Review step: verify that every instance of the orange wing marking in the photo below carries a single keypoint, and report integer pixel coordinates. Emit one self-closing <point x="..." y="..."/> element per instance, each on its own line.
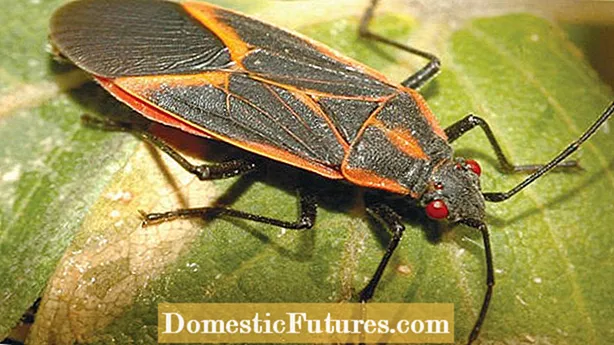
<point x="206" y="15"/>
<point x="141" y="85"/>
<point x="149" y="111"/>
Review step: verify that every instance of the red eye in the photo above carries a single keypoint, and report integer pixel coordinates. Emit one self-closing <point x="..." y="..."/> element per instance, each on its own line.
<point x="436" y="209"/>
<point x="474" y="166"/>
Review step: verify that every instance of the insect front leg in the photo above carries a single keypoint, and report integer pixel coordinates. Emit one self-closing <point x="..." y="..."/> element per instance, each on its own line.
<point x="416" y="80"/>
<point x="471" y="121"/>
<point x="203" y="172"/>
<point x="392" y="221"/>
<point x="557" y="161"/>
<point x="490" y="276"/>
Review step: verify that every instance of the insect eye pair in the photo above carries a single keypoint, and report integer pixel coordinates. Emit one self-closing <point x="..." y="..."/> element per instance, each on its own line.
<point x="437" y="209"/>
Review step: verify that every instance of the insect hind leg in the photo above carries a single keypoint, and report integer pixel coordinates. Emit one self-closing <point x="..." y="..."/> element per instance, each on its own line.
<point x="308" y="204"/>
<point x="203" y="172"/>
<point x="305" y="220"/>
<point x="416" y="80"/>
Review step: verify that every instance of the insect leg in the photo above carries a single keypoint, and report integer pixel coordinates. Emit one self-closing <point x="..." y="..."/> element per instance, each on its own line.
<point x="471" y="121"/>
<point x="392" y="221"/>
<point x="416" y="80"/>
<point x="490" y="276"/>
<point x="555" y="162"/>
<point x="203" y="172"/>
<point x="306" y="218"/>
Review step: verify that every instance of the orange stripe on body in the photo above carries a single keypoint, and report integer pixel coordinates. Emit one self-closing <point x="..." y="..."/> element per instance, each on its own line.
<point x="369" y="179"/>
<point x="402" y="139"/>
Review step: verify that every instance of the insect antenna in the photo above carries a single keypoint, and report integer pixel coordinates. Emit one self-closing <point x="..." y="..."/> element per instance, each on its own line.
<point x="502" y="196"/>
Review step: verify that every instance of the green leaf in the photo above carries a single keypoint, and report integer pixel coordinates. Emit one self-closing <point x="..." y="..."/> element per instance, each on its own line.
<point x="70" y="195"/>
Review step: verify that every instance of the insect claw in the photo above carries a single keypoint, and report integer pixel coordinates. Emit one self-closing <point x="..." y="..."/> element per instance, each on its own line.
<point x="365" y="295"/>
<point x="151" y="218"/>
<point x="144" y="221"/>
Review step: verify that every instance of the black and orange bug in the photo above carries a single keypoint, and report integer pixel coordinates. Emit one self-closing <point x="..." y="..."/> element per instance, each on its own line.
<point x="215" y="73"/>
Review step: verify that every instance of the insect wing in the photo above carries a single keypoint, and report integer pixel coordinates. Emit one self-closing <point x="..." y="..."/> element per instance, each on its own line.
<point x="220" y="74"/>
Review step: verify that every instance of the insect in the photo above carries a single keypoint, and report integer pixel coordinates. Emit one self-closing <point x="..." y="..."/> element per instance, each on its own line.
<point x="218" y="74"/>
